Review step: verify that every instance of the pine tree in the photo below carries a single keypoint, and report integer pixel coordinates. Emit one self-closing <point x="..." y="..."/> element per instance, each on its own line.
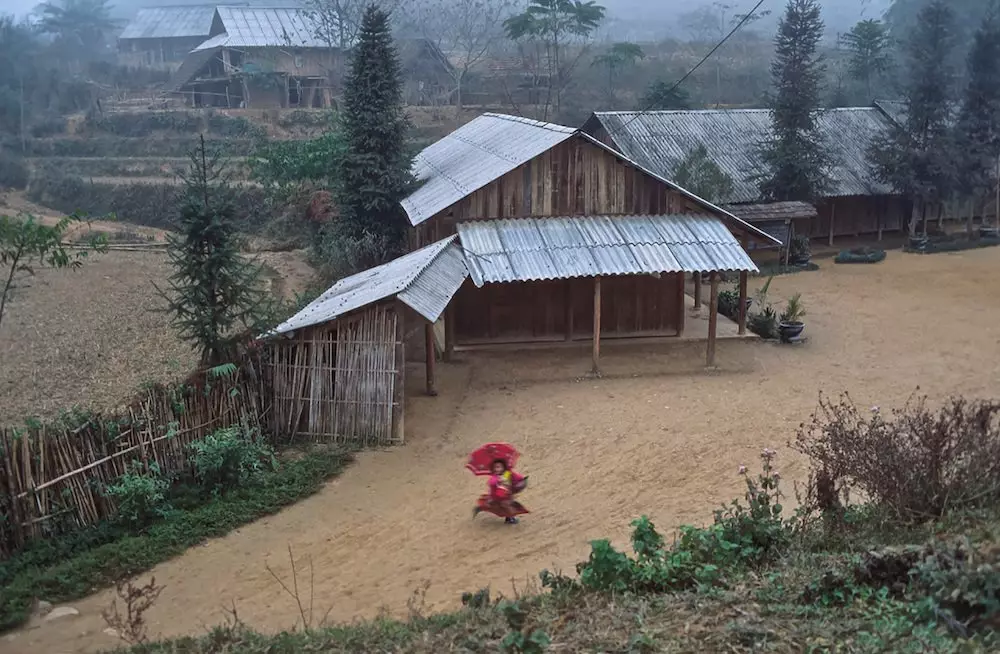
<point x="215" y="294"/>
<point x="978" y="128"/>
<point x="796" y="159"/>
<point x="916" y="157"/>
<point x="375" y="169"/>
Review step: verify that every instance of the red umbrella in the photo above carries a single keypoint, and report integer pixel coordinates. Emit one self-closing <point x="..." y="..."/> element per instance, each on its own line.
<point x="481" y="461"/>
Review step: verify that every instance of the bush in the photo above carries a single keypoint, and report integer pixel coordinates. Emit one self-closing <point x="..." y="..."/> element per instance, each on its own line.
<point x="741" y="537"/>
<point x="860" y="255"/>
<point x="13" y="171"/>
<point x="916" y="462"/>
<point x="140" y="496"/>
<point x="228" y="458"/>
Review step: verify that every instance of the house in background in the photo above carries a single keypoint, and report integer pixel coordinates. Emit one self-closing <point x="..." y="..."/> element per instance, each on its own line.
<point x="162" y="37"/>
<point x="259" y="57"/>
<point x="855" y="204"/>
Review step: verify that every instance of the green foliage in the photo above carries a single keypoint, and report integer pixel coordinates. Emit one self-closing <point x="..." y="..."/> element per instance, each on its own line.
<point x="27" y="245"/>
<point x="763" y="320"/>
<point x="519" y="640"/>
<point x="141" y="496"/>
<point x="136" y="125"/>
<point x="961" y="579"/>
<point x="916" y="158"/>
<point x="870" y="48"/>
<point x="618" y="57"/>
<point x="215" y="294"/>
<point x="698" y="173"/>
<point x="978" y="126"/>
<point x="741" y="537"/>
<point x="79" y="25"/>
<point x="796" y="159"/>
<point x="729" y="302"/>
<point x="13" y="171"/>
<point x="375" y="165"/>
<point x="794" y="310"/>
<point x="64" y="569"/>
<point x="661" y="95"/>
<point x="115" y="146"/>
<point x="228" y="458"/>
<point x="281" y="164"/>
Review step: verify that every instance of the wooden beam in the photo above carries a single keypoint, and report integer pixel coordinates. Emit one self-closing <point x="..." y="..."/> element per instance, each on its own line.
<point x="399" y="388"/>
<point x="713" y="316"/>
<point x="697" y="289"/>
<point x="449" y="333"/>
<point x="833" y="215"/>
<point x="681" y="308"/>
<point x="569" y="310"/>
<point x="743" y="303"/>
<point x="597" y="325"/>
<point x="431" y="358"/>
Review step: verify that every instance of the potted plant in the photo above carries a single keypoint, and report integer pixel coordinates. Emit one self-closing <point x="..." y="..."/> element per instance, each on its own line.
<point x="799" y="250"/>
<point x="790" y="323"/>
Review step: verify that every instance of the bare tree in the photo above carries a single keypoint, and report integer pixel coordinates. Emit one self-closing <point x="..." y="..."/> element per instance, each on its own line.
<point x="337" y="22"/>
<point x="464" y="30"/>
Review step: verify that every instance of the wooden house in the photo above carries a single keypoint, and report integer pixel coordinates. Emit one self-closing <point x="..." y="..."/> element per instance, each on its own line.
<point x="161" y="37"/>
<point x="855" y="204"/>
<point x="565" y="238"/>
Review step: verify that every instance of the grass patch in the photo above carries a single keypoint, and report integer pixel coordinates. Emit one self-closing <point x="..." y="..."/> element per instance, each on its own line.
<point x="67" y="568"/>
<point x="951" y="244"/>
<point x="775" y="269"/>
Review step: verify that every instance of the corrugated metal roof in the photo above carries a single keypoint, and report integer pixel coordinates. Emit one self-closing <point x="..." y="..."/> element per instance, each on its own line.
<point x="425" y="280"/>
<point x="474" y="155"/>
<point x="170" y="23"/>
<point x="265" y="27"/>
<point x="753" y="213"/>
<point x="660" y="140"/>
<point x="530" y="249"/>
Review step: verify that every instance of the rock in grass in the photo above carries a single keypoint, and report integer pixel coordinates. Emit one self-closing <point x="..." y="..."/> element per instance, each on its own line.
<point x="61" y="612"/>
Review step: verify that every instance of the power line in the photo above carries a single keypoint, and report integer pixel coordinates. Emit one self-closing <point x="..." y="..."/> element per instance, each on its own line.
<point x="743" y="21"/>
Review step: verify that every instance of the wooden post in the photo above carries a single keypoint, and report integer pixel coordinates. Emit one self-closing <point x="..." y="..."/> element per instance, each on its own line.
<point x="431" y="358"/>
<point x="788" y="245"/>
<point x="399" y="390"/>
<point x="681" y="308"/>
<point x="449" y="333"/>
<point x="833" y="214"/>
<point x="597" y="325"/>
<point x="713" y="316"/>
<point x="697" y="289"/>
<point x="743" y="303"/>
<point x="569" y="310"/>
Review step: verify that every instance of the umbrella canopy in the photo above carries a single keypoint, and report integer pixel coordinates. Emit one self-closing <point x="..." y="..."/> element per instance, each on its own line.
<point x="481" y="460"/>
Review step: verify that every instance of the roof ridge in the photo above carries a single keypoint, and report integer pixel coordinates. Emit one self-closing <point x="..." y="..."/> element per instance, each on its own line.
<point x="555" y="127"/>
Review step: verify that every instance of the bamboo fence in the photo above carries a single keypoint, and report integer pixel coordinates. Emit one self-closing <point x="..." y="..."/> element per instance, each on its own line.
<point x="341" y="381"/>
<point x="53" y="477"/>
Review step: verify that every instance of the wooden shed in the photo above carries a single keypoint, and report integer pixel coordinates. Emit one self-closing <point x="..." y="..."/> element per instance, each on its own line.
<point x="337" y="366"/>
<point x="856" y="202"/>
<point x="565" y="238"/>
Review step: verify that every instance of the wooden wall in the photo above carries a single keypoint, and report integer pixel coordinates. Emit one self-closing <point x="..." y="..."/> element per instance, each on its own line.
<point x="560" y="310"/>
<point x="575" y="178"/>
<point x="860" y="215"/>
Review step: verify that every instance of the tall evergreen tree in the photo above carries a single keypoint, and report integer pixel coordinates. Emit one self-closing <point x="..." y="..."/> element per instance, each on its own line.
<point x="869" y="46"/>
<point x="375" y="168"/>
<point x="796" y="159"/>
<point x="916" y="157"/>
<point x="215" y="294"/>
<point x="978" y="128"/>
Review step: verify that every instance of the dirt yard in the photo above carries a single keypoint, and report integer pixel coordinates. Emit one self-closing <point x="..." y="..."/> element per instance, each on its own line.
<point x="657" y="435"/>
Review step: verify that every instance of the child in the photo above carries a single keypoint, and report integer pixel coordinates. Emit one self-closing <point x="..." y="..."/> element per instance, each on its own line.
<point x="503" y="483"/>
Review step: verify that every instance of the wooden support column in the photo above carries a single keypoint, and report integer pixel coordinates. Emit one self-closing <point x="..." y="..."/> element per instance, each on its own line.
<point x="713" y="316"/>
<point x="743" y="303"/>
<point x="569" y="310"/>
<point x="597" y="325"/>
<point x="399" y="388"/>
<point x="681" y="308"/>
<point x="449" y="334"/>
<point x="431" y="358"/>
<point x="833" y="215"/>
<point x="697" y="289"/>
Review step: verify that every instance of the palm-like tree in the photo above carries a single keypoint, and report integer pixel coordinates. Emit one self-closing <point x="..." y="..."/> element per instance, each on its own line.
<point x="553" y="23"/>
<point x="618" y="57"/>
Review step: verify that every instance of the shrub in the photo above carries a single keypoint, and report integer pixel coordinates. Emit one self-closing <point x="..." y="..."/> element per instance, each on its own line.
<point x="228" y="458"/>
<point x="140" y="496"/>
<point x="741" y="537"/>
<point x="916" y="462"/>
<point x="13" y="171"/>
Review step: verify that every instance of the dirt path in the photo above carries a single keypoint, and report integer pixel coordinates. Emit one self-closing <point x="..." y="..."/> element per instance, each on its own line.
<point x="657" y="435"/>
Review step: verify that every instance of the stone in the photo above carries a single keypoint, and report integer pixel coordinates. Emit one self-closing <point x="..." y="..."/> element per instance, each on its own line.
<point x="61" y="612"/>
<point x="42" y="608"/>
<point x="111" y="632"/>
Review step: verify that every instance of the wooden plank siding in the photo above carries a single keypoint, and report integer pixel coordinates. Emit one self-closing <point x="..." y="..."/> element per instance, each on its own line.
<point x="575" y="178"/>
<point x="563" y="309"/>
<point x="860" y="215"/>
